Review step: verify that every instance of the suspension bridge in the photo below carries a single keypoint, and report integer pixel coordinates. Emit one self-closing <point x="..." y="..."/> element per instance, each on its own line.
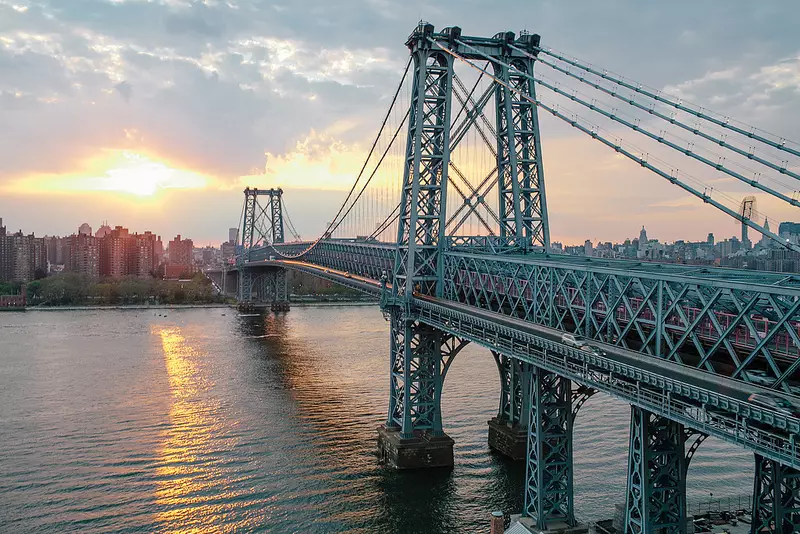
<point x="450" y="231"/>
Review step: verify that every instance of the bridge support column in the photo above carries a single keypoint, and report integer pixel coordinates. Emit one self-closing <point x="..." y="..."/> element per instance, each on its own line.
<point x="776" y="498"/>
<point x="656" y="495"/>
<point x="244" y="293"/>
<point x="420" y="355"/>
<point x="508" y="432"/>
<point x="280" y="300"/>
<point x="548" y="479"/>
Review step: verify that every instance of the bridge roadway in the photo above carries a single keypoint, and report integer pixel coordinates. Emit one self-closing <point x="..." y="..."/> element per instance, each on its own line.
<point x="711" y="404"/>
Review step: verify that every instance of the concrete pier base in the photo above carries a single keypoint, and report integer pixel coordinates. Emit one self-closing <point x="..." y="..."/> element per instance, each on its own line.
<point x="525" y="524"/>
<point x="508" y="441"/>
<point x="419" y="452"/>
<point x="280" y="306"/>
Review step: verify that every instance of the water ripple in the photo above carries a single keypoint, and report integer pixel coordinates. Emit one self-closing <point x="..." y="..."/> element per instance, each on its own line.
<point x="120" y="421"/>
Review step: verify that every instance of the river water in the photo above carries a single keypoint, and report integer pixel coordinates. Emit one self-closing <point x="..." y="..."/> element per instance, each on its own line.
<point x="202" y="420"/>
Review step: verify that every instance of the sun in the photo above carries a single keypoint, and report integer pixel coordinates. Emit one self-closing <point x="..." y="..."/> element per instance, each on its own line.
<point x="118" y="171"/>
<point x="137" y="174"/>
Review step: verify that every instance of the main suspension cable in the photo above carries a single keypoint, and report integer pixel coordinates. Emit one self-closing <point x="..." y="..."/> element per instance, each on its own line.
<point x="635" y="127"/>
<point x="618" y="148"/>
<point x="677" y="105"/>
<point x="336" y="221"/>
<point x="285" y="212"/>
<point x="671" y="120"/>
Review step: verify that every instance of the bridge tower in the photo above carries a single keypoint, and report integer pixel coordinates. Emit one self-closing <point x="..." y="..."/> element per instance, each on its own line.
<point x="262" y="225"/>
<point x="413" y="436"/>
<point x="523" y="208"/>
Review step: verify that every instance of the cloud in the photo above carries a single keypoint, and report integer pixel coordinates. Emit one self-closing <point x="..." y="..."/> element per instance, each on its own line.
<point x="125" y="90"/>
<point x="212" y="86"/>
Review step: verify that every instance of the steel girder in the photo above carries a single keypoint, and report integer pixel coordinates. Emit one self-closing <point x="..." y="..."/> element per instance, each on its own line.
<point x="548" y="479"/>
<point x="523" y="209"/>
<point x="656" y="494"/>
<point x="515" y="399"/>
<point x="776" y="498"/>
<point x="729" y="328"/>
<point x="421" y="227"/>
<point x="363" y="259"/>
<point x="420" y="356"/>
<point x="280" y="285"/>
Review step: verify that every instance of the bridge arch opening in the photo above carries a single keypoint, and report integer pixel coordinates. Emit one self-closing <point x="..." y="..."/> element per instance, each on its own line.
<point x="719" y="477"/>
<point x="467" y="390"/>
<point x="600" y="439"/>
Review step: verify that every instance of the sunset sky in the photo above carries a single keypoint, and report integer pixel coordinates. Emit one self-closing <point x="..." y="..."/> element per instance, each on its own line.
<point x="154" y="114"/>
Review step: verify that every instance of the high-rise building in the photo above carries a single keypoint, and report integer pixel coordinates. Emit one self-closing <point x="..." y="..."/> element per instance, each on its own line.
<point x="6" y="256"/>
<point x="233" y="234"/>
<point x="22" y="253"/>
<point x="642" y="238"/>
<point x="56" y="247"/>
<point x="141" y="255"/>
<point x="85" y="229"/>
<point x="159" y="251"/>
<point x="228" y="250"/>
<point x="39" y="257"/>
<point x="83" y="255"/>
<point x="114" y="251"/>
<point x="180" y="251"/>
<point x="790" y="231"/>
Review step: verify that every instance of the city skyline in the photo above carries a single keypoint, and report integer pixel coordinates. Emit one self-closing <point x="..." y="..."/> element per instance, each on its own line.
<point x="163" y="125"/>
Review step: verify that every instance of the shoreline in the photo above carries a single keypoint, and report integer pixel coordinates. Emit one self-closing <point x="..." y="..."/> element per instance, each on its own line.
<point x="89" y="307"/>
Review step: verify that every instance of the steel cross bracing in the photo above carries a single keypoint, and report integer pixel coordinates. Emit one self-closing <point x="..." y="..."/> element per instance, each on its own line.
<point x="262" y="285"/>
<point x="420" y="357"/>
<point x="261" y="225"/>
<point x="696" y="406"/>
<point x="421" y="223"/>
<point x="777" y="498"/>
<point x="656" y="497"/>
<point x="548" y="488"/>
<point x="520" y="175"/>
<point x="515" y="398"/>
<point x="724" y="321"/>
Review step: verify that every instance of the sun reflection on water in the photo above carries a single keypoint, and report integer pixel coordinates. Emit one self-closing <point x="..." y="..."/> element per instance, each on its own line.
<point x="194" y="492"/>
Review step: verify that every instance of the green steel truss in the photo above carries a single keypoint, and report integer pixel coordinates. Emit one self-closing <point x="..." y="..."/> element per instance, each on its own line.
<point x="515" y="400"/>
<point x="261" y="224"/>
<point x="656" y="494"/>
<point x="523" y="210"/>
<point x="421" y="225"/>
<point x="548" y="487"/>
<point x="260" y="285"/>
<point x="776" y="498"/>
<point x="420" y="356"/>
<point x="721" y="325"/>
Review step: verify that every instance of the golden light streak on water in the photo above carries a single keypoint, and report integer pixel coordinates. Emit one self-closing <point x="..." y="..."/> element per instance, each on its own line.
<point x="189" y="487"/>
